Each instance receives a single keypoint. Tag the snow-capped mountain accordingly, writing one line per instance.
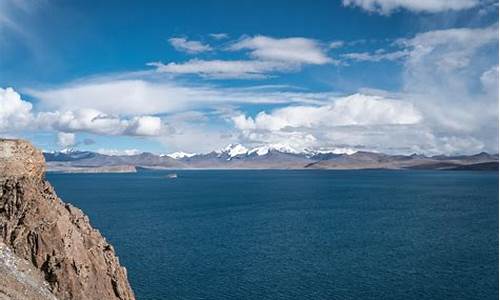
(263, 150)
(274, 156)
(340, 150)
(179, 155)
(68, 155)
(237, 150)
(233, 150)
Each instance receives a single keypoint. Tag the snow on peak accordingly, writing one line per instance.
(234, 150)
(348, 151)
(179, 155)
(263, 150)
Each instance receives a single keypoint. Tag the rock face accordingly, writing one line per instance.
(19, 280)
(56, 238)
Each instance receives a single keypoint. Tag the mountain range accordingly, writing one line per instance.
(265, 157)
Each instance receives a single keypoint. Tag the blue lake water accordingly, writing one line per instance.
(298, 234)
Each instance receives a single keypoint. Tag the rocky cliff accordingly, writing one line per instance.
(55, 239)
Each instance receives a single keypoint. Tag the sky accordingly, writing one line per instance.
(122, 77)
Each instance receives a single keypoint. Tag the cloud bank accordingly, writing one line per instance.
(16, 114)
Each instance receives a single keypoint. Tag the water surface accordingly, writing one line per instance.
(298, 234)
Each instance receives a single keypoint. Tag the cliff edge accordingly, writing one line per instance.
(56, 239)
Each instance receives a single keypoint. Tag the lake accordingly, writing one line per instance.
(311, 234)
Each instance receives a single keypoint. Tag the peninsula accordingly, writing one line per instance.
(48, 249)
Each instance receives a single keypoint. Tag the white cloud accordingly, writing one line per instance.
(220, 69)
(191, 47)
(433, 6)
(270, 55)
(440, 72)
(131, 97)
(88, 120)
(15, 113)
(449, 49)
(357, 109)
(294, 50)
(66, 139)
(219, 36)
(444, 75)
(94, 121)
(307, 126)
(144, 126)
(448, 103)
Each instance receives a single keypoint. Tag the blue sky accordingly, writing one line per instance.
(379, 75)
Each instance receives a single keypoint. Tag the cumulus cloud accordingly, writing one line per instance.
(357, 109)
(432, 6)
(88, 120)
(440, 70)
(448, 103)
(66, 139)
(94, 121)
(440, 73)
(453, 81)
(144, 126)
(191, 47)
(308, 126)
(15, 113)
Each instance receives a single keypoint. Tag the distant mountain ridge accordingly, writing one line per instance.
(265, 157)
